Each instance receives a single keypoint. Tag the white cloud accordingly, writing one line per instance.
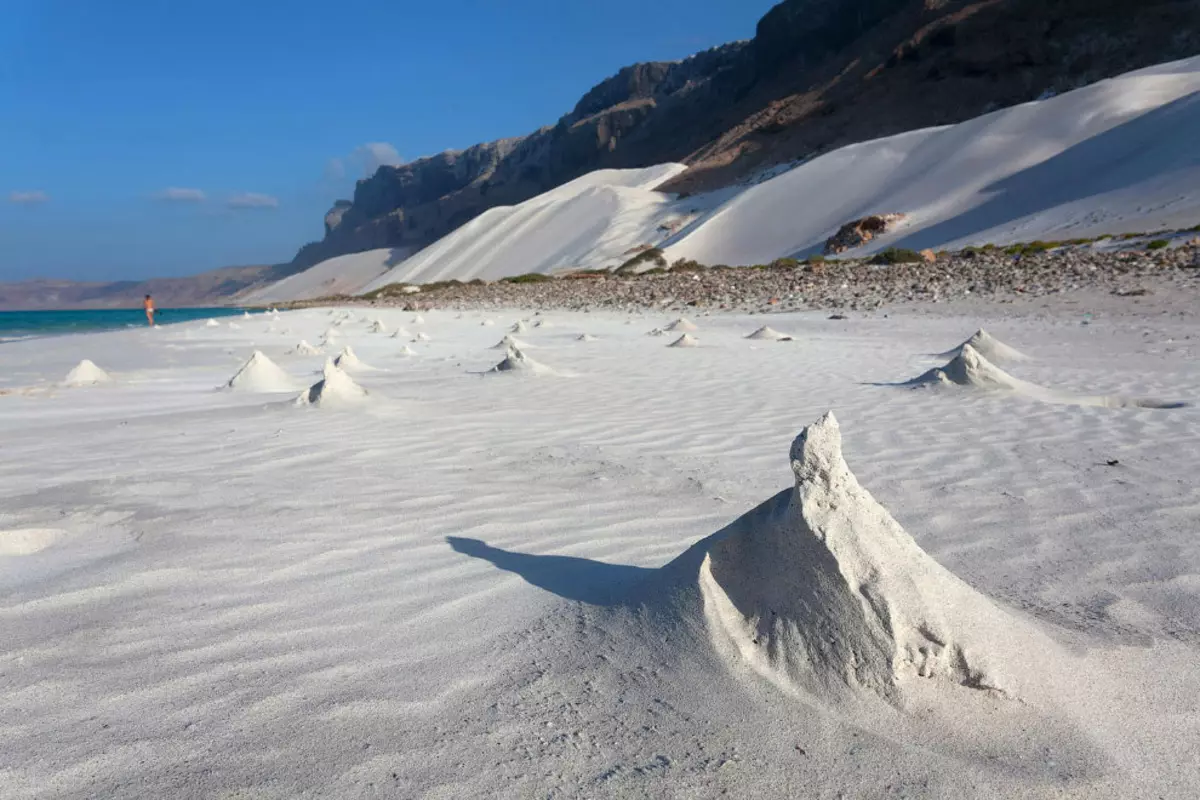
(176, 195)
(374, 155)
(32, 198)
(335, 169)
(252, 200)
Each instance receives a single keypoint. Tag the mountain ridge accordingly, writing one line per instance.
(818, 74)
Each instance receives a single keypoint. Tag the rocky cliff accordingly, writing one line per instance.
(818, 74)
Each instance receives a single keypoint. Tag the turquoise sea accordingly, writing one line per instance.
(25, 324)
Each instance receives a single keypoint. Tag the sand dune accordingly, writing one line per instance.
(1113, 157)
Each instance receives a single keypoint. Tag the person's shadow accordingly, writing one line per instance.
(593, 582)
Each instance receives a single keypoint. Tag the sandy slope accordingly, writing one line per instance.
(342, 275)
(1117, 156)
(455, 588)
(590, 220)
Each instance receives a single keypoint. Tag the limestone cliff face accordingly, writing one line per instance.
(818, 74)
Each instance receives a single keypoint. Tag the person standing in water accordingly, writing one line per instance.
(148, 304)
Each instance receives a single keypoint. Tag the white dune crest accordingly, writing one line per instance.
(212, 323)
(86, 373)
(261, 374)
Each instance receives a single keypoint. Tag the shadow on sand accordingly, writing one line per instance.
(584, 580)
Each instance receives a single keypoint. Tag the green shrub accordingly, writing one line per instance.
(652, 255)
(687, 265)
(1158, 244)
(897, 255)
(1029, 248)
(528, 277)
(815, 258)
(783, 263)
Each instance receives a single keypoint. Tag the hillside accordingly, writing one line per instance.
(214, 288)
(819, 74)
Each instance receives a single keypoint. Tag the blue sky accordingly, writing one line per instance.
(162, 137)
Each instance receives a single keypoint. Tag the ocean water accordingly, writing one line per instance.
(25, 324)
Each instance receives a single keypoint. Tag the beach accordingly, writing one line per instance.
(470, 583)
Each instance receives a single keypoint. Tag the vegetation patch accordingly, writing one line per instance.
(528, 277)
(652, 256)
(897, 255)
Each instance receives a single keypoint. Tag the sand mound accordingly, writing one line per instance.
(586, 337)
(348, 360)
(487, 323)
(516, 361)
(509, 341)
(234, 326)
(518, 327)
(989, 347)
(687, 340)
(212, 323)
(86, 373)
(682, 324)
(418, 320)
(971, 369)
(421, 337)
(768, 334)
(406, 351)
(334, 388)
(400, 333)
(305, 349)
(543, 323)
(656, 332)
(261, 374)
(377, 326)
(28, 541)
(820, 589)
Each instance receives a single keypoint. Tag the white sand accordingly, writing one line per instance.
(480, 588)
